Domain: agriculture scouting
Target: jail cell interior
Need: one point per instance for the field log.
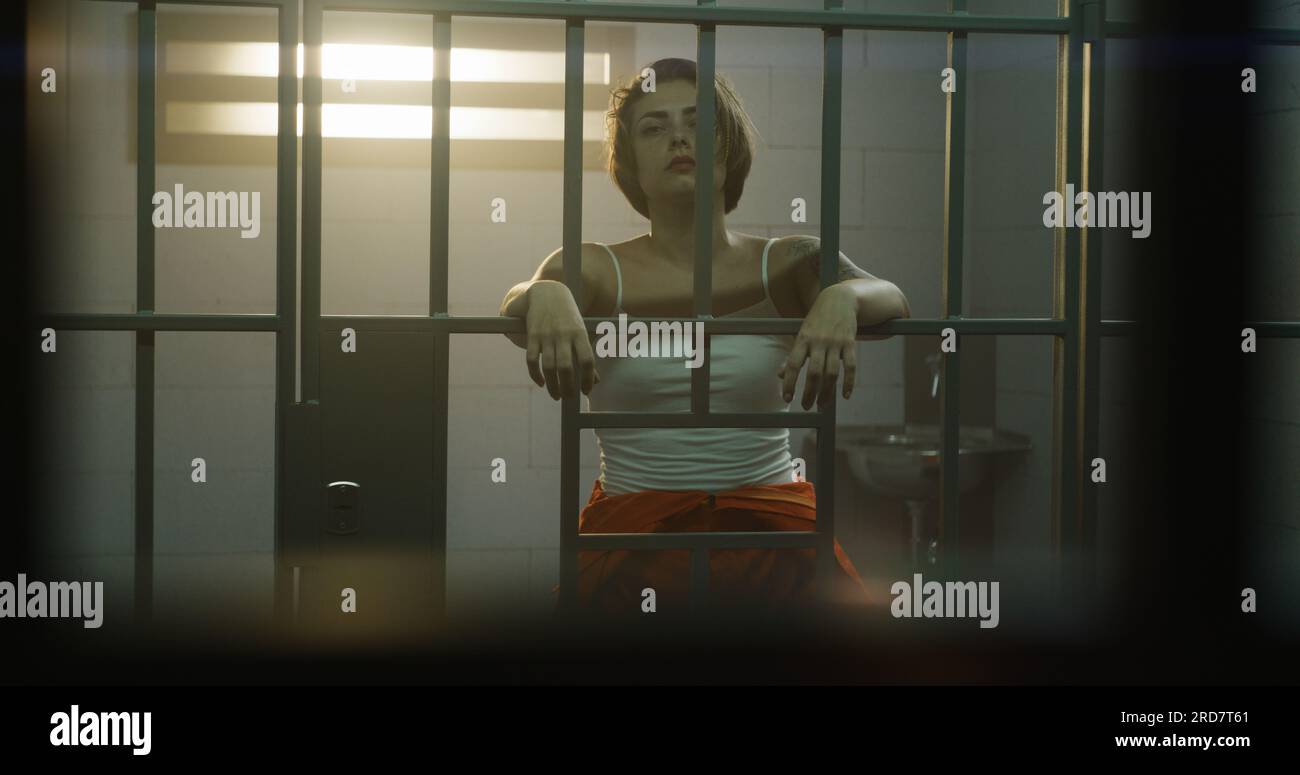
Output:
(146, 380)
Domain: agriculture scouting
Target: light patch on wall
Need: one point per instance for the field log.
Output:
(380, 121)
(367, 62)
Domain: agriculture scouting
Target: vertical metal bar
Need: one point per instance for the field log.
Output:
(286, 215)
(439, 236)
(572, 247)
(699, 578)
(144, 280)
(706, 120)
(1094, 100)
(1059, 168)
(439, 198)
(954, 248)
(296, 595)
(1067, 351)
(832, 93)
(147, 32)
(313, 22)
(706, 46)
(312, 96)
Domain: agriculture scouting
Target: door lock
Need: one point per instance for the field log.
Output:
(343, 508)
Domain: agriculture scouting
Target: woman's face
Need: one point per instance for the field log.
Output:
(663, 127)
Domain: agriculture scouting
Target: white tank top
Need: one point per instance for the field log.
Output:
(742, 379)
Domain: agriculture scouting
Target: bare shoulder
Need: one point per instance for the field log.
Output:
(595, 263)
(634, 250)
(789, 253)
(795, 244)
(801, 255)
(598, 277)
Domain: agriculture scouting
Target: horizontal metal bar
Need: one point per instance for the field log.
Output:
(772, 539)
(710, 14)
(1275, 35)
(688, 419)
(127, 321)
(713, 326)
(130, 321)
(1130, 29)
(1116, 29)
(224, 3)
(749, 17)
(1274, 328)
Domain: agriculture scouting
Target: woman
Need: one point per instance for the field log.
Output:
(695, 479)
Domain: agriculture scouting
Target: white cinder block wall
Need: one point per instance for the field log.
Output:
(214, 392)
(1008, 269)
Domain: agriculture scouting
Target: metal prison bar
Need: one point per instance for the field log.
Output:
(1082, 32)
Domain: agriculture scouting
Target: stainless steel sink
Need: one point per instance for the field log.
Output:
(903, 461)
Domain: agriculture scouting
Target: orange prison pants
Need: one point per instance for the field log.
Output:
(613, 580)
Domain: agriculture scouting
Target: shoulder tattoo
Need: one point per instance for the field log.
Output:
(807, 252)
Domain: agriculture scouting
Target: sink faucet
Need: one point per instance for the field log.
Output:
(933, 361)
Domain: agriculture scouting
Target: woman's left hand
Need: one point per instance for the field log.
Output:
(827, 336)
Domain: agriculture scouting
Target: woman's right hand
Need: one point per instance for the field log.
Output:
(559, 347)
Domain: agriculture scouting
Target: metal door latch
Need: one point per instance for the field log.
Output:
(343, 508)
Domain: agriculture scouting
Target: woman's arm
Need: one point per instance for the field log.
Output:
(558, 350)
(874, 299)
(515, 303)
(832, 316)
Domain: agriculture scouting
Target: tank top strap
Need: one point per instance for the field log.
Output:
(766, 248)
(618, 278)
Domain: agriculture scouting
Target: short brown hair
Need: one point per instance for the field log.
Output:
(730, 121)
